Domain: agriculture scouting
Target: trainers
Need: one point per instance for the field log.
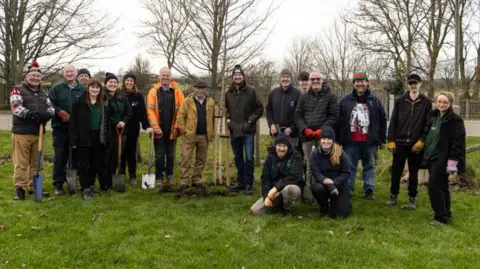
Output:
(59, 190)
(87, 194)
(158, 182)
(133, 181)
(19, 194)
(393, 200)
(369, 195)
(411, 203)
(248, 189)
(436, 223)
(237, 187)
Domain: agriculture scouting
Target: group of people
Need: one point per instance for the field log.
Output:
(318, 139)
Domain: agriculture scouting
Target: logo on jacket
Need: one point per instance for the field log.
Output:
(135, 103)
(292, 103)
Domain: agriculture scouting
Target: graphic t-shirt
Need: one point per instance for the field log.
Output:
(360, 123)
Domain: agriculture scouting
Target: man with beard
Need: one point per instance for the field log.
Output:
(83, 76)
(282, 102)
(406, 137)
(362, 129)
(316, 109)
(63, 95)
(282, 178)
(243, 109)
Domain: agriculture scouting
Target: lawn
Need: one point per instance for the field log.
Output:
(142, 229)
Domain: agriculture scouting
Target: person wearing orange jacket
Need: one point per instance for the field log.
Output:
(163, 102)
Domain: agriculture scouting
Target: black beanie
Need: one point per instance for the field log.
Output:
(109, 76)
(130, 75)
(282, 139)
(238, 69)
(84, 71)
(327, 132)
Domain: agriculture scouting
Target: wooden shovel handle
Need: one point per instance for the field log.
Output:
(40, 138)
(119, 133)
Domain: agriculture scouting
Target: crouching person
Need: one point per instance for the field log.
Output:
(86, 122)
(330, 168)
(30, 108)
(282, 178)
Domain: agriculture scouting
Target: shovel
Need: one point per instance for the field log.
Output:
(148, 180)
(118, 181)
(71, 176)
(37, 178)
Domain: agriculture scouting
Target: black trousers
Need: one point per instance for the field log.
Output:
(61, 149)
(92, 163)
(438, 191)
(129, 155)
(337, 205)
(402, 154)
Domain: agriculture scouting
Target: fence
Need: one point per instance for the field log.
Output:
(470, 109)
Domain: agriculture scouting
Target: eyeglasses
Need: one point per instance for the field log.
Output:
(315, 79)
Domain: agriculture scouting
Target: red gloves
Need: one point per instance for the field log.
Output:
(308, 133)
(63, 115)
(318, 133)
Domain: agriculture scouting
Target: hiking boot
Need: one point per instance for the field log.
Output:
(133, 181)
(30, 192)
(237, 187)
(170, 181)
(436, 223)
(369, 195)
(158, 182)
(323, 211)
(202, 189)
(19, 194)
(393, 200)
(59, 190)
(248, 189)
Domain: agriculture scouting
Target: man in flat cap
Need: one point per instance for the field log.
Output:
(195, 121)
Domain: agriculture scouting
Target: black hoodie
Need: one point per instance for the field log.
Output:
(282, 172)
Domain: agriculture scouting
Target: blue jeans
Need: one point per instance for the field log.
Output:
(244, 167)
(164, 156)
(368, 155)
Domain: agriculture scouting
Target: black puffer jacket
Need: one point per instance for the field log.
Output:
(316, 110)
(451, 145)
(244, 108)
(322, 168)
(282, 172)
(409, 117)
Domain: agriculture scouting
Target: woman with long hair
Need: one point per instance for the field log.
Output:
(330, 170)
(85, 124)
(139, 116)
(444, 155)
(118, 115)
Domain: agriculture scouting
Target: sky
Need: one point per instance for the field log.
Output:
(294, 18)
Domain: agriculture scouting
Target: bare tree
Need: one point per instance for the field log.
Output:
(439, 16)
(141, 68)
(166, 30)
(222, 27)
(300, 55)
(389, 27)
(264, 75)
(60, 31)
(336, 55)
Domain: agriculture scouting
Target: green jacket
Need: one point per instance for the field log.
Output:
(63, 98)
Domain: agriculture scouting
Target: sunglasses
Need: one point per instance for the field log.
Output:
(413, 82)
(315, 79)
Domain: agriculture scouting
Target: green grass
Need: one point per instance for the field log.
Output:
(142, 229)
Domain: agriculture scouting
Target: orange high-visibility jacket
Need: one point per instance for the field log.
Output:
(153, 113)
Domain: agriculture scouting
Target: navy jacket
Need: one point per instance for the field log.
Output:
(282, 172)
(377, 132)
(281, 108)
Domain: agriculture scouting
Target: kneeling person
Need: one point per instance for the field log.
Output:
(330, 170)
(282, 178)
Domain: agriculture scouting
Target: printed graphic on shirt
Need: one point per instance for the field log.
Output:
(359, 119)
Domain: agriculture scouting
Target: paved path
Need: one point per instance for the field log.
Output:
(473, 127)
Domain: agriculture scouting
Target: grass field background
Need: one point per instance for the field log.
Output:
(143, 229)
